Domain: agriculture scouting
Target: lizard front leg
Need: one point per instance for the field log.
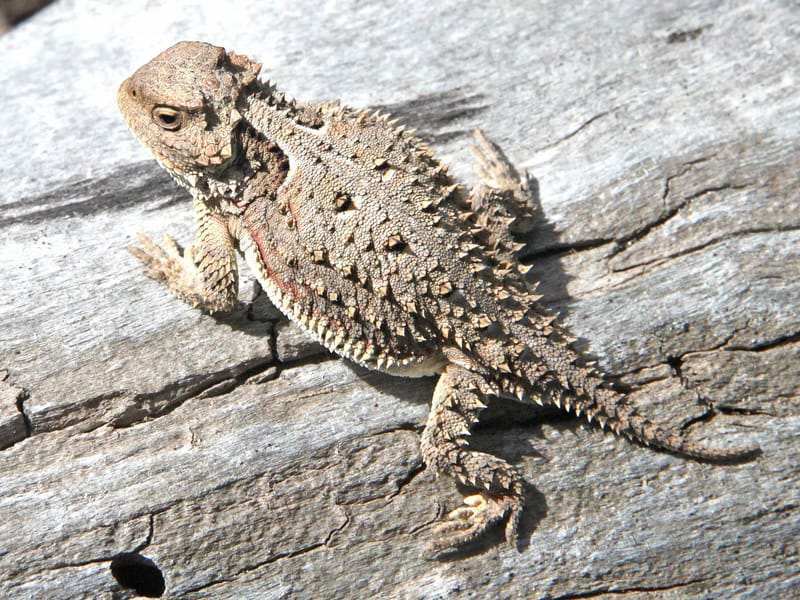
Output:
(455, 408)
(204, 274)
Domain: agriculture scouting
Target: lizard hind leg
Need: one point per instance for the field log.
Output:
(504, 200)
(499, 491)
(492, 165)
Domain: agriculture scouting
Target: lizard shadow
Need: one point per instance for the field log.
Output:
(414, 390)
(542, 253)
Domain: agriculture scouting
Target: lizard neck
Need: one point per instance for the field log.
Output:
(262, 143)
(257, 170)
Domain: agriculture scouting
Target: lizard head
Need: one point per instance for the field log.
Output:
(182, 106)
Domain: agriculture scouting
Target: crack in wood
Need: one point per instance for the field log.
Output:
(273, 559)
(626, 242)
(20, 395)
(575, 131)
(766, 346)
(661, 260)
(613, 590)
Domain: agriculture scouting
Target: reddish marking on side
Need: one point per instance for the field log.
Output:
(287, 288)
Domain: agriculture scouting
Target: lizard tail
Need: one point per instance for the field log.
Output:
(585, 394)
(609, 408)
(556, 377)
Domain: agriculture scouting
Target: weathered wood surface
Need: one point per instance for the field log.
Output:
(244, 462)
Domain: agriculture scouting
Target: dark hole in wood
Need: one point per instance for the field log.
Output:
(136, 572)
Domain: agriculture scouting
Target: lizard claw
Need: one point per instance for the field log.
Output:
(171, 246)
(503, 198)
(174, 266)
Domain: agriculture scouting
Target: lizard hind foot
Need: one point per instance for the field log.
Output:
(504, 198)
(469, 522)
(492, 165)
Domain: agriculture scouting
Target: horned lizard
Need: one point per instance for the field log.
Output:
(359, 234)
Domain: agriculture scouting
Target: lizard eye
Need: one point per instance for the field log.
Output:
(167, 118)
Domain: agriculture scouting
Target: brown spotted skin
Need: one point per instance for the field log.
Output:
(359, 234)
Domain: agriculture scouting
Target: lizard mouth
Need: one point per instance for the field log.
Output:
(229, 160)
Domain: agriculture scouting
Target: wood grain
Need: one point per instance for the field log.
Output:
(242, 461)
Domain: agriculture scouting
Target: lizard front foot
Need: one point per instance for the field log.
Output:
(176, 268)
(163, 263)
(480, 512)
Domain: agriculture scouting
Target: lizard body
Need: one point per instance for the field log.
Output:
(361, 236)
